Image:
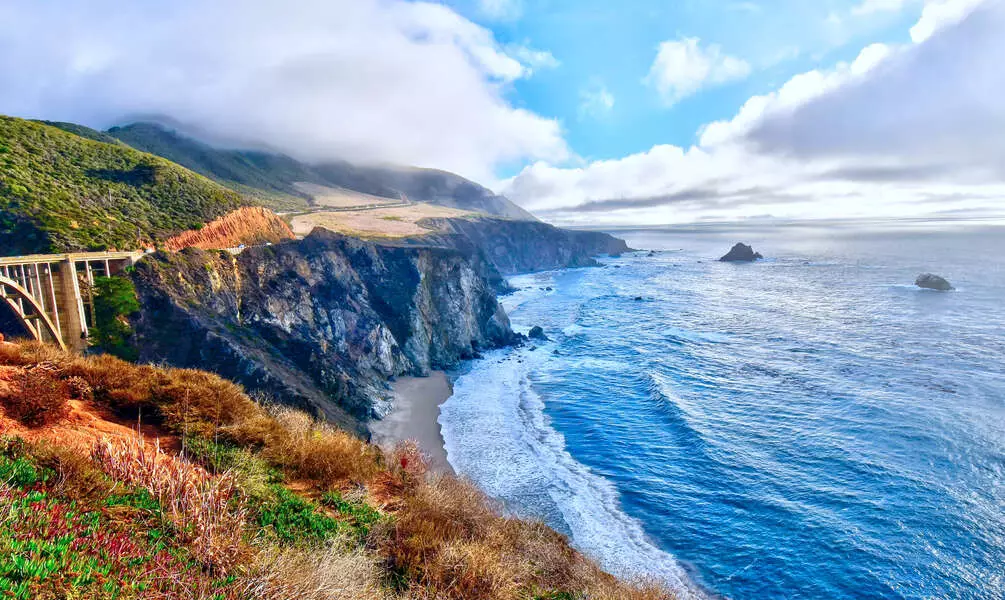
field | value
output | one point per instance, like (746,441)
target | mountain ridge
(273,177)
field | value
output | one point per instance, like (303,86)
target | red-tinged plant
(206,509)
(37,398)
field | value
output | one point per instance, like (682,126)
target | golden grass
(333,571)
(396,222)
(318,452)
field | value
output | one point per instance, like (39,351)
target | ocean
(808,426)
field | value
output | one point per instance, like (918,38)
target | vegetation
(61,192)
(114,300)
(37,398)
(268,177)
(259,503)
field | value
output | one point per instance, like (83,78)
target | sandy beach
(417,403)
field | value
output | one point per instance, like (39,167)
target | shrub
(204,508)
(37,398)
(114,300)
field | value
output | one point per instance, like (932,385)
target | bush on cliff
(114,300)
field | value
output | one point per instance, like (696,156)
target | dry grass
(444,538)
(317,452)
(204,508)
(397,222)
(331,572)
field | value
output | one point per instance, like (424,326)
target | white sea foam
(496,432)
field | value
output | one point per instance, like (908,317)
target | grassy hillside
(62,192)
(221,498)
(272,176)
(268,177)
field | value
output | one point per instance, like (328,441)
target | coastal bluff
(322,323)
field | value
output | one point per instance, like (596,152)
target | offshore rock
(930,281)
(322,323)
(537,333)
(741,253)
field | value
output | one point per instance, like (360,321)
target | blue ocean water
(810,426)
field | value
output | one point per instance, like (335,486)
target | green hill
(273,177)
(268,177)
(63,191)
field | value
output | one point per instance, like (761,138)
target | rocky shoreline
(323,323)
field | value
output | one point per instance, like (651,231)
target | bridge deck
(75,256)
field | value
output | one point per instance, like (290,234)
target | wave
(496,432)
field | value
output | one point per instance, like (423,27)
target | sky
(582,111)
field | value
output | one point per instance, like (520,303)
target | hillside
(274,178)
(217,497)
(60,192)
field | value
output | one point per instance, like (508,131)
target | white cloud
(682,68)
(900,131)
(940,13)
(535,60)
(596,101)
(502,10)
(869,7)
(367,80)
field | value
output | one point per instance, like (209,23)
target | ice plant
(206,509)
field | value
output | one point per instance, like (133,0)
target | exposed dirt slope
(252,225)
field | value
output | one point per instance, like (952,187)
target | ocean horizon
(811,425)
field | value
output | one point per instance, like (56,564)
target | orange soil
(251,225)
(85,423)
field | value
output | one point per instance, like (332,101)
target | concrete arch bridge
(50,297)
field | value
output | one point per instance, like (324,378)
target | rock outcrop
(321,323)
(537,333)
(741,253)
(251,225)
(525,246)
(930,281)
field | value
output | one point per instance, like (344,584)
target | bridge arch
(28,310)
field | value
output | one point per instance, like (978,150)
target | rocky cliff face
(250,225)
(522,246)
(321,323)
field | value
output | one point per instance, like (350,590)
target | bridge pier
(52,295)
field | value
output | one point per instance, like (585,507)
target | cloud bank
(901,130)
(366,80)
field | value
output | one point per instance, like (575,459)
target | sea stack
(930,281)
(741,253)
(537,333)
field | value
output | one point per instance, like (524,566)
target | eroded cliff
(251,225)
(321,323)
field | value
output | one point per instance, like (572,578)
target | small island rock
(930,281)
(741,253)
(536,333)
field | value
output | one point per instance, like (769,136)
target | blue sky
(611,44)
(588,112)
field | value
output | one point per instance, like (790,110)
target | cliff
(321,323)
(251,225)
(525,246)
